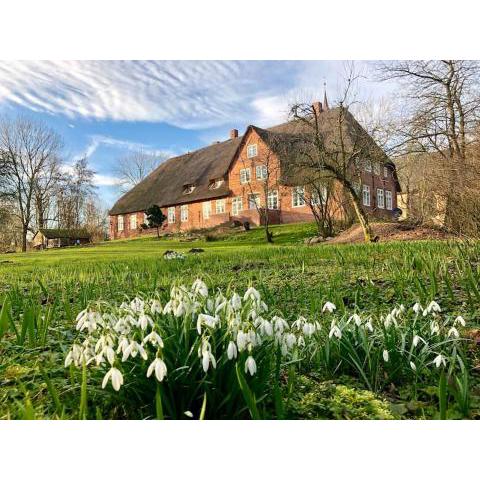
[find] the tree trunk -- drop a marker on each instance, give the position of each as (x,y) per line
(362,218)
(269,235)
(24,238)
(158,232)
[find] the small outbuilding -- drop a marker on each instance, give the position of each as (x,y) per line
(60,237)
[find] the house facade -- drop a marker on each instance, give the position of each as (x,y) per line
(234,181)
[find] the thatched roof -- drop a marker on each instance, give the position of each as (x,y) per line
(165,186)
(73,234)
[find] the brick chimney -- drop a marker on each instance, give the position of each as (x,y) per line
(317,108)
(233,133)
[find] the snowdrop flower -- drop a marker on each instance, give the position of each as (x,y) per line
(335,331)
(434,328)
(417,339)
(279,324)
(369,326)
(453,332)
(231,350)
(122,345)
(459,320)
(355,318)
(432,307)
(301,340)
(252,294)
(137,305)
(132,350)
(241,340)
(251,366)
(299,322)
(180,310)
(155,307)
(200,287)
(329,306)
(158,366)
(188,414)
(417,308)
(110,354)
(205,352)
(386,355)
(154,339)
(267,328)
(308,329)
(290,340)
(208,358)
(236,301)
(440,360)
(208,320)
(144,321)
(413,366)
(116,377)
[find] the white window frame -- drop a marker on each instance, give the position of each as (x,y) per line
(183,213)
(385,172)
(272,200)
(298,197)
(252,150)
(318,198)
(257,201)
(120,223)
(262,169)
(245,175)
(237,205)
(207,210)
(188,189)
(133,221)
(376,168)
(368,166)
(220,206)
(388,200)
(366,197)
(145,219)
(380,198)
(216,184)
(171,215)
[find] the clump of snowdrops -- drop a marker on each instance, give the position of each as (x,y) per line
(172,255)
(228,349)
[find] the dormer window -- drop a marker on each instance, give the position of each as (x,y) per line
(214,184)
(252,151)
(189,188)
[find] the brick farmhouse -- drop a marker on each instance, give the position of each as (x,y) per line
(224,182)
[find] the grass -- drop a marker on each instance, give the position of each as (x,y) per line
(44,291)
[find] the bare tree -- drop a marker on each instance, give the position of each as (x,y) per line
(133,168)
(333,146)
(327,204)
(72,196)
(27,148)
(440,115)
(266,178)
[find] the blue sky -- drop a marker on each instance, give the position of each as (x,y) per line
(104,109)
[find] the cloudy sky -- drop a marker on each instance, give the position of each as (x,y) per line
(106,109)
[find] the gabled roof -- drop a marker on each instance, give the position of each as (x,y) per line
(64,233)
(165,185)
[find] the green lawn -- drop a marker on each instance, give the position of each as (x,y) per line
(292,278)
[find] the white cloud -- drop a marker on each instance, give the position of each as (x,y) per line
(105,180)
(188,94)
(98,140)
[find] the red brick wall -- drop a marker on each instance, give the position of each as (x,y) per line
(287,213)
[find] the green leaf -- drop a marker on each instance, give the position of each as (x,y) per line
(5,316)
(247,394)
(158,404)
